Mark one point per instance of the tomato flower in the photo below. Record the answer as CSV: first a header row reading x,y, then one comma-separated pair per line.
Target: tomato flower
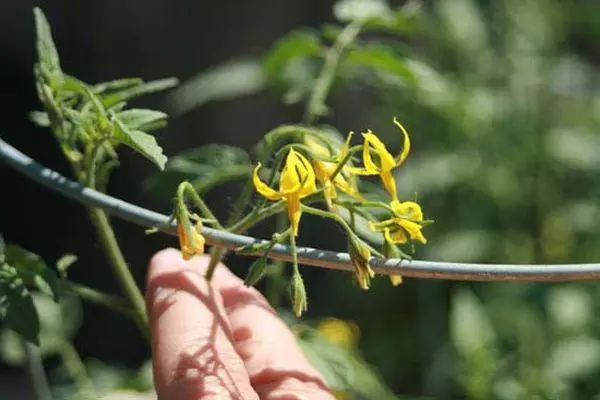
x,y
387,162
343,180
405,225
296,182
191,240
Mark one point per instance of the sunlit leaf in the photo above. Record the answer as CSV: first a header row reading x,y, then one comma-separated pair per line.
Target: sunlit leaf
x,y
142,119
381,59
574,358
140,141
360,10
47,54
128,93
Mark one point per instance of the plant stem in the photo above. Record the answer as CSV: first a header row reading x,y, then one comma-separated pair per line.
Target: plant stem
x,y
35,369
120,268
97,297
323,84
215,256
76,368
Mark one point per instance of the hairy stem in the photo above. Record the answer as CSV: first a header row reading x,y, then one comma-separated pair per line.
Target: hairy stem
x,y
323,84
97,297
120,268
75,367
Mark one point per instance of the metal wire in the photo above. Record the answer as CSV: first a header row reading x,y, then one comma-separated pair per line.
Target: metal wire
x,y
306,255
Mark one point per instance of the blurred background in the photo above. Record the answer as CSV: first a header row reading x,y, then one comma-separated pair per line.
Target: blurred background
x,y
502,102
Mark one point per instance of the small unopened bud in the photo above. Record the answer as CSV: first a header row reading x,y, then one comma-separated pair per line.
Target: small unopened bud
x,y
299,301
391,251
359,256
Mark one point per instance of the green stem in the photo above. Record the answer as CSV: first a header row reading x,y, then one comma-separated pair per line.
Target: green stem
x,y
323,84
216,254
35,370
97,297
120,268
253,218
76,368
186,188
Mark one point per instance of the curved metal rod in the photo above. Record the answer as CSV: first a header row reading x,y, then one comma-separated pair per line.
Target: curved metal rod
x,y
306,255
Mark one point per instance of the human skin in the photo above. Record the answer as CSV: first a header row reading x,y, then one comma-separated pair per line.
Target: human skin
x,y
220,340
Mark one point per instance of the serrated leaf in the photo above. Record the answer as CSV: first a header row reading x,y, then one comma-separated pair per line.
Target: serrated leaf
x,y
47,53
230,80
297,44
256,271
139,141
34,271
117,84
142,119
16,305
138,90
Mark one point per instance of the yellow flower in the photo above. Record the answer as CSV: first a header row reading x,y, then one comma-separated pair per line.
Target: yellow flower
x,y
297,181
387,162
406,224
325,169
339,332
191,241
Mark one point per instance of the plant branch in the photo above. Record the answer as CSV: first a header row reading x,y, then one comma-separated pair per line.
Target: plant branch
x,y
307,256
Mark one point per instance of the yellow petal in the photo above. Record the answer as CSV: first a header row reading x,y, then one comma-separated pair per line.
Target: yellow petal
x,y
389,182
396,237
405,147
396,279
407,209
386,160
307,176
294,212
290,180
413,229
263,188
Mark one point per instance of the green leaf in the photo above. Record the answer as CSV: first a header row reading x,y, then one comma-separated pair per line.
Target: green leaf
x,y
470,327
65,262
128,93
381,59
143,119
17,311
361,10
34,271
297,44
58,323
230,80
139,141
47,53
40,118
204,167
116,85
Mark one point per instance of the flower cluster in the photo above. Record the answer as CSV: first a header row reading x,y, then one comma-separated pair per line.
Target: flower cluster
x,y
316,168
329,170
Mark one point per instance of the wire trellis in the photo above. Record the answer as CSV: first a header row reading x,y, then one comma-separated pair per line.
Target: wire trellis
x,y
306,255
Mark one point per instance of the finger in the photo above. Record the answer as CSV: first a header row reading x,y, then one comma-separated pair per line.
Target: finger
x,y
275,363
193,354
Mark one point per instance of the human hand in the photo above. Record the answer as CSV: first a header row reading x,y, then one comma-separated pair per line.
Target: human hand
x,y
220,341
